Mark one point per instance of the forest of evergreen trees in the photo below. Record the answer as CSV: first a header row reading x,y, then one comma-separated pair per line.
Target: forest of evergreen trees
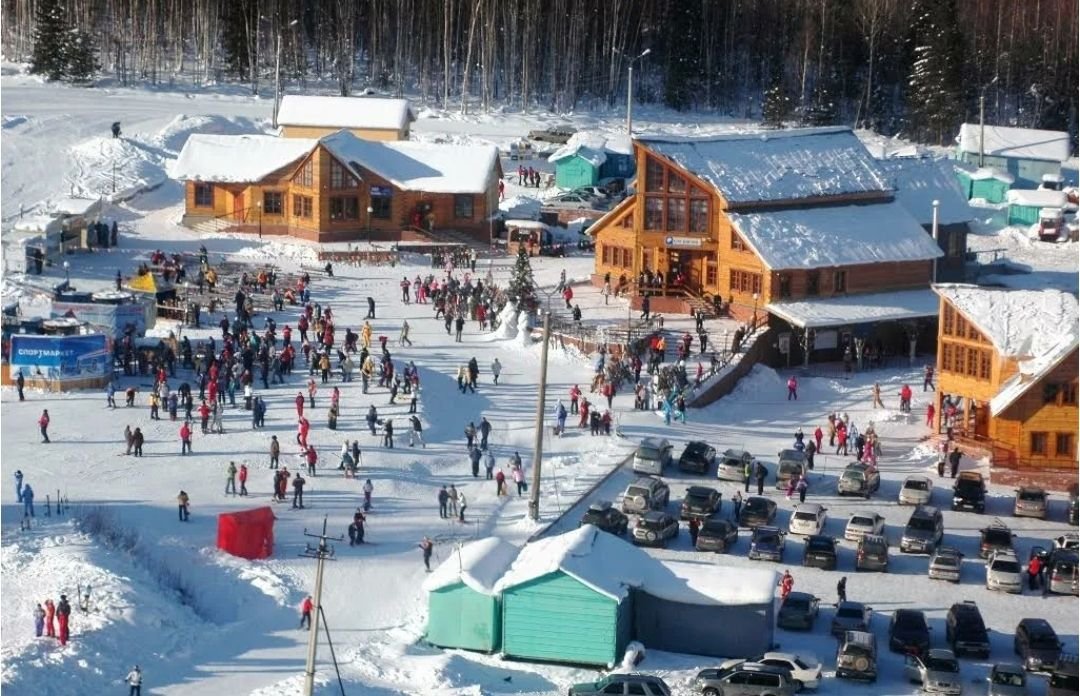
x,y
912,67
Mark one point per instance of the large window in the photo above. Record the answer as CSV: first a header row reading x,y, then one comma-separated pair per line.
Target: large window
x,y
710,274
1063,446
273,203
382,198
745,282
948,317
1038,443
813,283
204,195
699,216
654,176
306,176
654,213
344,208
463,206
676,214
301,206
340,177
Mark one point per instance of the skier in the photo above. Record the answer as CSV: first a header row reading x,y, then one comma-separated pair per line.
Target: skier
x,y
230,480
453,500
489,465
930,415
185,438
841,590
462,504
388,434
134,680
306,608
312,458
243,479
560,418
928,378
182,501
416,432
786,583
43,423
63,613
876,393
518,475
500,484
39,620
298,491
358,527
426,547
485,430
474,459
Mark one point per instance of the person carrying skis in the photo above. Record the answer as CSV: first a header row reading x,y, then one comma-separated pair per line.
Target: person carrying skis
x,y
306,607
230,478
426,547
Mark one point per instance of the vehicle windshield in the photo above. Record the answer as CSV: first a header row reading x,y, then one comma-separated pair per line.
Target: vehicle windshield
x,y
873,546
765,537
942,665
862,521
1005,566
853,475
947,559
789,467
714,527
998,537
969,485
1031,496
905,620
850,612
698,497
916,485
757,505
923,524
806,516
800,664
1008,679
647,453
634,491
856,650
1044,642
796,602
819,545
653,523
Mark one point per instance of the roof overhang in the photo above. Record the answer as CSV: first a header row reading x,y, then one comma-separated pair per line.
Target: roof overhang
x,y
851,310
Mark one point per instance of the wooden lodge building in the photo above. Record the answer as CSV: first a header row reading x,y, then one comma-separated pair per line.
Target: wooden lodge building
x,y
1008,364
800,226
370,118
338,187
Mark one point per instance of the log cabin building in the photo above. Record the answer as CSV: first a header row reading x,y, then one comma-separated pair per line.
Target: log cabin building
x,y
1007,371
799,227
370,118
338,188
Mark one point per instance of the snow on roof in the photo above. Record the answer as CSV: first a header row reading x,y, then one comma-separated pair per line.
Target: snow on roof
x,y
1031,373
991,173
527,224
776,165
73,206
411,166
344,112
1023,324
1039,198
1022,143
835,235
478,564
236,158
857,309
613,567
521,207
588,146
919,181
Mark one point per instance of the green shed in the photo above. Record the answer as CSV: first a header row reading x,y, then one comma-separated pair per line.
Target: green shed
x,y
988,184
1025,153
568,598
463,608
1024,206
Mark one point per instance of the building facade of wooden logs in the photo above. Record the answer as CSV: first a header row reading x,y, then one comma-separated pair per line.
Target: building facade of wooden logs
x,y
766,228
1007,365
339,187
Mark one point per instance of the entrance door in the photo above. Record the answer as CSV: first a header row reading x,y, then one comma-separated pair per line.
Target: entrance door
x,y
678,275
238,206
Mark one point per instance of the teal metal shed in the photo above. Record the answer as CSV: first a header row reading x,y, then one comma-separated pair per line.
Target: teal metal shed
x,y
577,166
463,607
1024,206
988,184
1025,153
568,598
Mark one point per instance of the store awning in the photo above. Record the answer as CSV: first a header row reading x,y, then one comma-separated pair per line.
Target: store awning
x,y
851,310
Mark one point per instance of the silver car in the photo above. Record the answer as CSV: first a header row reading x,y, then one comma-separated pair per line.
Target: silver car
x,y
938,672
946,564
1030,502
850,616
1003,573
792,464
733,464
1007,680
916,490
808,518
862,523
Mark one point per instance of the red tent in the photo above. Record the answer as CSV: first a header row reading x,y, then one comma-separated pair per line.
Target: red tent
x,y
248,534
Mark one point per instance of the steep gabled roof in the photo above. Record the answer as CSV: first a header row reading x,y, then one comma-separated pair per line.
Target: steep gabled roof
x,y
236,158
1022,143
1031,373
344,112
773,166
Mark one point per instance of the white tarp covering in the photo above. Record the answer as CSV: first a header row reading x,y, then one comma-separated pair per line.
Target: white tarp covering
x,y
851,310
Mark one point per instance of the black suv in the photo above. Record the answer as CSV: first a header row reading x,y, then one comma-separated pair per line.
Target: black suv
x,y
908,632
965,630
969,492
995,537
1037,644
757,512
605,516
697,457
819,551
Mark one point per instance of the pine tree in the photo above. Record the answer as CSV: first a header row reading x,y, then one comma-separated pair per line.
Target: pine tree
x,y
81,60
935,88
683,72
49,56
776,106
522,286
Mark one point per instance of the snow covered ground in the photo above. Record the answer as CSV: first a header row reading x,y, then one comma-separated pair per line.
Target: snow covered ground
x,y
198,621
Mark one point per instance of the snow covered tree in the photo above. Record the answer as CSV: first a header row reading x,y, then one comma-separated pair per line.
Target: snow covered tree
x,y
51,34
522,286
81,57
935,93
776,106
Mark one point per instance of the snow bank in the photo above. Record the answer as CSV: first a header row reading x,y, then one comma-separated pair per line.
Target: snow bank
x,y
278,251
478,564
763,383
508,322
524,335
521,207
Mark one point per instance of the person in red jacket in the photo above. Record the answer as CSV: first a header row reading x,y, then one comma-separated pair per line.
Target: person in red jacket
x,y
905,399
50,611
302,429
299,400
243,479
568,294
608,391
584,411
63,611
185,438
786,583
312,458
818,436
306,607
204,415
575,394
43,423
929,415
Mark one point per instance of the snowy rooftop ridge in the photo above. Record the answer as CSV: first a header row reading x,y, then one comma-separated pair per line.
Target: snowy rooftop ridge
x,y
839,235
236,158
919,181
592,147
478,564
857,309
1031,372
344,112
777,165
1039,198
1022,143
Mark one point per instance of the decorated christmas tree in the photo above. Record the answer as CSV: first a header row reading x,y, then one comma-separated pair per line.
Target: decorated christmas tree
x,y
522,288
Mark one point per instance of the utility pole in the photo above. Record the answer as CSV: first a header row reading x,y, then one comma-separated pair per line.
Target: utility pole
x,y
277,78
538,442
982,128
630,90
321,553
934,232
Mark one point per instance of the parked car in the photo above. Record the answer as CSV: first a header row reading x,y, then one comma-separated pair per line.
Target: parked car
x,y
745,679
700,502
946,563
653,454
598,192
819,551
757,511
1063,678
603,515
872,553
1074,503
805,671
799,610
630,683
858,478
697,457
1037,644
862,523
1008,680
791,464
908,632
916,490
654,528
850,616
1062,570
856,656
717,535
1068,540
938,672
969,492
644,494
572,201
994,537
1003,572
732,465
558,135
1031,501
965,630
808,518
924,530
767,544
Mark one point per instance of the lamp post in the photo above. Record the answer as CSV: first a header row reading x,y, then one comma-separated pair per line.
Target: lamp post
x,y
630,90
982,121
259,206
370,211
67,272
934,232
277,71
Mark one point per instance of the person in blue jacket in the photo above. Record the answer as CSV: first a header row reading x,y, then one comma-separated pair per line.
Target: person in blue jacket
x,y
560,418
18,485
28,500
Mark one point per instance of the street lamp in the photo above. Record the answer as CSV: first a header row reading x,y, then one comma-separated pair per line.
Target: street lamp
x,y
370,211
934,231
259,206
67,272
277,71
630,88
